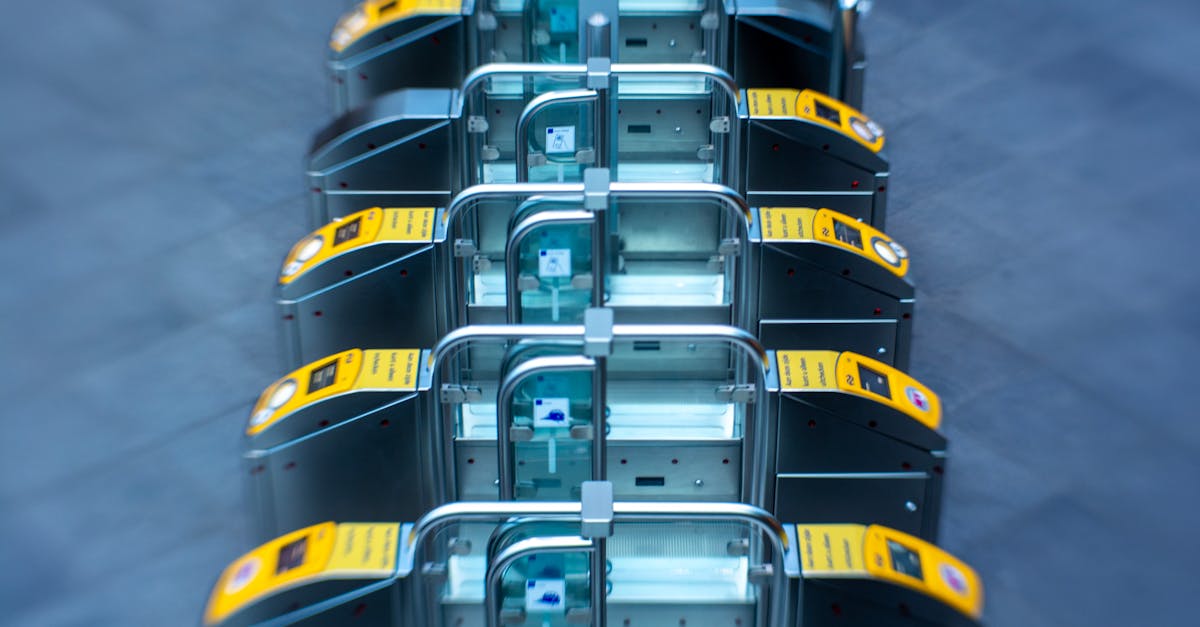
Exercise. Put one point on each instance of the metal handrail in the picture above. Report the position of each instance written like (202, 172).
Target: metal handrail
(493, 70)
(712, 72)
(579, 70)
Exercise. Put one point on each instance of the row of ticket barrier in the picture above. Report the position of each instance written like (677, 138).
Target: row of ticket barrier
(586, 334)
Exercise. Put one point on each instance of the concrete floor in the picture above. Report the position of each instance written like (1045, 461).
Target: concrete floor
(1044, 159)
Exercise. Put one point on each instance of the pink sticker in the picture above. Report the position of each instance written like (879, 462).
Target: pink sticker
(917, 398)
(243, 575)
(954, 578)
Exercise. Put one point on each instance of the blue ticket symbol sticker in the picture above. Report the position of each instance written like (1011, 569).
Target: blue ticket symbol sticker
(917, 398)
(551, 412)
(545, 596)
(554, 263)
(243, 575)
(954, 578)
(560, 139)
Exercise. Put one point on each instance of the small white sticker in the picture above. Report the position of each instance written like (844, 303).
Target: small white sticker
(551, 412)
(954, 578)
(917, 398)
(545, 596)
(260, 417)
(554, 262)
(243, 575)
(560, 139)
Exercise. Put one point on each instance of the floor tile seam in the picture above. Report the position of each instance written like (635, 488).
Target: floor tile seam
(46, 490)
(115, 571)
(1100, 395)
(140, 262)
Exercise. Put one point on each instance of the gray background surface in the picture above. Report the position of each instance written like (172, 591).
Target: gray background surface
(1044, 179)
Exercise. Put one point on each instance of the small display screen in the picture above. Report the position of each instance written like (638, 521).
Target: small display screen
(291, 555)
(347, 231)
(829, 113)
(322, 377)
(905, 560)
(847, 234)
(874, 381)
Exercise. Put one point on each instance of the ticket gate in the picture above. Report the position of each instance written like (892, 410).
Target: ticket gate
(693, 253)
(596, 562)
(549, 123)
(661, 411)
(382, 46)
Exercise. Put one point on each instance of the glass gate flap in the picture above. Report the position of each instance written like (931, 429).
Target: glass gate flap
(549, 400)
(552, 273)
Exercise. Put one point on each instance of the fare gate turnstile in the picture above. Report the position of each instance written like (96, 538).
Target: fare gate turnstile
(661, 411)
(596, 562)
(382, 46)
(797, 278)
(541, 123)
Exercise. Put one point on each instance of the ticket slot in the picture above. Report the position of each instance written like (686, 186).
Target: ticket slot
(324, 445)
(351, 294)
(288, 561)
(372, 15)
(807, 149)
(845, 452)
(321, 387)
(913, 563)
(841, 587)
(861, 375)
(795, 225)
(821, 265)
(818, 108)
(336, 238)
(373, 267)
(295, 574)
(304, 386)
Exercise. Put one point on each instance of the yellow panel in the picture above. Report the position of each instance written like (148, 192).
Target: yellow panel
(348, 365)
(407, 225)
(389, 369)
(369, 221)
(260, 573)
(787, 224)
(772, 103)
(943, 576)
(373, 14)
(904, 393)
(806, 370)
(831, 550)
(365, 549)
(806, 108)
(793, 103)
(823, 228)
(794, 224)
